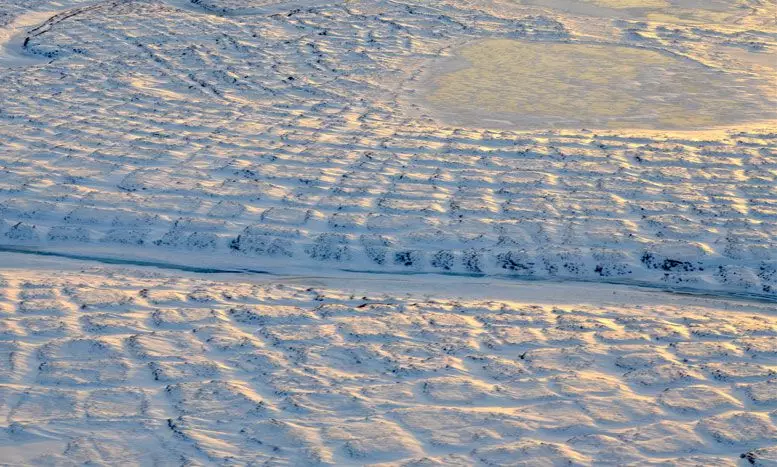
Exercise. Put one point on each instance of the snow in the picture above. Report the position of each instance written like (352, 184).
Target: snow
(12, 38)
(298, 140)
(173, 367)
(388, 232)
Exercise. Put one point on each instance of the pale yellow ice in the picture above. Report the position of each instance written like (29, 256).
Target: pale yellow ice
(630, 3)
(570, 85)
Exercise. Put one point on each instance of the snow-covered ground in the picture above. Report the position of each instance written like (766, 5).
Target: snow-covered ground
(116, 365)
(254, 134)
(388, 231)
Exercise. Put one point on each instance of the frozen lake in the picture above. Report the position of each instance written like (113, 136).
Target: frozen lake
(530, 85)
(673, 11)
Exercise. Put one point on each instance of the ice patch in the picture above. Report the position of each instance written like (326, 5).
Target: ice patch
(531, 85)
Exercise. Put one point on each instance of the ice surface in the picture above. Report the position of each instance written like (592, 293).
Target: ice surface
(531, 85)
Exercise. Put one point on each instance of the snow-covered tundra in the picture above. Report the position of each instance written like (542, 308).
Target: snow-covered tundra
(226, 226)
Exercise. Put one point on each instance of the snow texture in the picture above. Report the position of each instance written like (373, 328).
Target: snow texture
(266, 135)
(147, 367)
(236, 232)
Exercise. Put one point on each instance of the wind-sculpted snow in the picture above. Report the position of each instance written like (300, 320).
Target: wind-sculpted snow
(274, 137)
(106, 366)
(269, 135)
